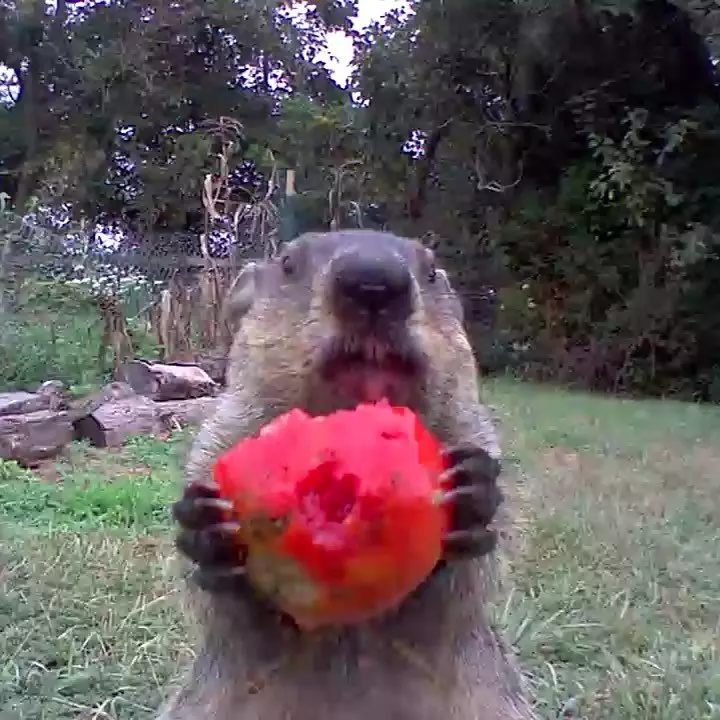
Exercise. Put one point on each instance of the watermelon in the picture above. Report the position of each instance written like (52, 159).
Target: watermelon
(339, 515)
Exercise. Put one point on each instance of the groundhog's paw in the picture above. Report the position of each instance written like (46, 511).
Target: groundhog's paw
(475, 498)
(208, 538)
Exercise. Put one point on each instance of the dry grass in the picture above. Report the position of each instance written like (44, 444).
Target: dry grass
(616, 601)
(614, 605)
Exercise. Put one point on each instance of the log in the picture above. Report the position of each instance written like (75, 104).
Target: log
(117, 420)
(16, 403)
(161, 382)
(49, 396)
(186, 412)
(214, 366)
(116, 391)
(35, 436)
(86, 405)
(53, 388)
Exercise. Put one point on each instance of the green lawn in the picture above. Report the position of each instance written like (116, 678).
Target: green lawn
(613, 605)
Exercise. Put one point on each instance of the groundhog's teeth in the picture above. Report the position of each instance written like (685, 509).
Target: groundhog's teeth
(350, 346)
(374, 351)
(368, 351)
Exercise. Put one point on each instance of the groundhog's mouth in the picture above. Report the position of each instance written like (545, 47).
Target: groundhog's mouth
(369, 370)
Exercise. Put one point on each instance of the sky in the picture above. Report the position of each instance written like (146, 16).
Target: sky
(338, 57)
(340, 52)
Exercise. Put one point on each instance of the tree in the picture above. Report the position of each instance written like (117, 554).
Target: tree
(571, 148)
(114, 98)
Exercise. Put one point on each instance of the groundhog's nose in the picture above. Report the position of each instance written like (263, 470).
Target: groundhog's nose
(372, 284)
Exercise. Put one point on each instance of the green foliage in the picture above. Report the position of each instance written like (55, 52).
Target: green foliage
(115, 102)
(11, 472)
(321, 143)
(570, 161)
(564, 154)
(92, 502)
(84, 497)
(52, 331)
(32, 353)
(611, 262)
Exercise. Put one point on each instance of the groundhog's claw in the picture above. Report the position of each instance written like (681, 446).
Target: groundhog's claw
(209, 538)
(475, 498)
(466, 544)
(201, 506)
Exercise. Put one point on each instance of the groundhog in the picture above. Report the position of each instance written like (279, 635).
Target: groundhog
(333, 320)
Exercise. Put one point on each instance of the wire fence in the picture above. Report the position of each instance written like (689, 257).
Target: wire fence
(72, 306)
(75, 303)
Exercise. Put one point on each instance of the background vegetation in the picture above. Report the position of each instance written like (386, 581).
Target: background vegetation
(562, 156)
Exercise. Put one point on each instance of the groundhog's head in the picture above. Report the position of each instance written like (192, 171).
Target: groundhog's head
(346, 317)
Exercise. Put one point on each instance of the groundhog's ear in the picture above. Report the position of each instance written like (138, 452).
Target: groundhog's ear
(241, 295)
(453, 300)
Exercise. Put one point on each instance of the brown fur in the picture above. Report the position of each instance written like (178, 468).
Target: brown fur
(436, 657)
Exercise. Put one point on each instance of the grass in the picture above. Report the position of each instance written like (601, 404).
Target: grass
(614, 604)
(616, 601)
(88, 627)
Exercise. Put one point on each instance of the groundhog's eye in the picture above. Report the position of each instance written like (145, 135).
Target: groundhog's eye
(287, 264)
